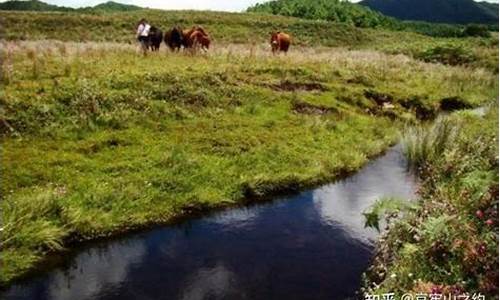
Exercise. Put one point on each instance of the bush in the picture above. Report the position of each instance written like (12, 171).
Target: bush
(432, 29)
(476, 30)
(448, 54)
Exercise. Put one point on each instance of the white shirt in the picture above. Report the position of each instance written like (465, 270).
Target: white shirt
(143, 30)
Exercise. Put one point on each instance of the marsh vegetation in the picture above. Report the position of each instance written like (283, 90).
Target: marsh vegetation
(447, 242)
(98, 140)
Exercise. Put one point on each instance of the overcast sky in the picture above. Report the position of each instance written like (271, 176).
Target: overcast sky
(226, 5)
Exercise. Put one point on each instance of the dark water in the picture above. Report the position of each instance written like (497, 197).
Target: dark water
(308, 246)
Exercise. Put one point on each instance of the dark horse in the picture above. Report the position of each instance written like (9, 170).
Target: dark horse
(154, 38)
(174, 38)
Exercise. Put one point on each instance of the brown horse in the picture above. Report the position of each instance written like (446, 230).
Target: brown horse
(200, 39)
(280, 42)
(186, 34)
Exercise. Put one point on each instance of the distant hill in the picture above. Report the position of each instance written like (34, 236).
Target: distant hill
(439, 11)
(492, 8)
(114, 6)
(35, 5)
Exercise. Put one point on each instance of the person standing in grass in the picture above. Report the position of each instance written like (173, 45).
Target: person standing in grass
(142, 34)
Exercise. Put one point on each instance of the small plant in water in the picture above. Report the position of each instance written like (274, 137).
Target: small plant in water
(388, 208)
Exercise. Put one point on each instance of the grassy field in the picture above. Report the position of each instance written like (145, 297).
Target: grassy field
(98, 140)
(448, 243)
(249, 28)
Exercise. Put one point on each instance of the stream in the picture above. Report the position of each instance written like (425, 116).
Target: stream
(312, 245)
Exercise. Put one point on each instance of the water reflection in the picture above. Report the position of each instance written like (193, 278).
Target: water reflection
(342, 202)
(310, 246)
(87, 274)
(215, 282)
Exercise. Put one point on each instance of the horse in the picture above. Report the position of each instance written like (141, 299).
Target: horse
(201, 39)
(187, 41)
(280, 42)
(155, 37)
(174, 38)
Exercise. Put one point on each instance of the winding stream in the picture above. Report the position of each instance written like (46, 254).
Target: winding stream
(309, 246)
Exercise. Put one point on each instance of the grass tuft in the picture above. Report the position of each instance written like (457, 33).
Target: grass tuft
(427, 143)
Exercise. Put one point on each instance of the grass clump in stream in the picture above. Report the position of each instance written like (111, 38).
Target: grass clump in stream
(423, 144)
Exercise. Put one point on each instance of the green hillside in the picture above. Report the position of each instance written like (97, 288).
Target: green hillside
(111, 6)
(361, 16)
(223, 27)
(329, 10)
(442, 11)
(336, 11)
(492, 8)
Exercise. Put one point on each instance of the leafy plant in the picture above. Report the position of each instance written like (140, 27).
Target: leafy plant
(386, 208)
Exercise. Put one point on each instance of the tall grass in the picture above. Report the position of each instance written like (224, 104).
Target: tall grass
(29, 222)
(426, 143)
(6, 67)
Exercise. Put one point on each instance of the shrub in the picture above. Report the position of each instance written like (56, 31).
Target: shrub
(449, 54)
(476, 30)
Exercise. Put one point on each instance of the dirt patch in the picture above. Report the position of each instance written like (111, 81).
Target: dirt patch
(312, 109)
(379, 98)
(454, 103)
(290, 86)
(422, 111)
(387, 103)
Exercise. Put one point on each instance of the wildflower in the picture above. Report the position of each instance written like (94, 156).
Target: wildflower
(436, 290)
(490, 222)
(482, 249)
(480, 214)
(393, 275)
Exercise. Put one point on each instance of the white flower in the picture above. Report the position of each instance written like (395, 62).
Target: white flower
(393, 275)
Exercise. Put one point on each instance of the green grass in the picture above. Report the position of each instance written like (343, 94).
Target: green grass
(98, 140)
(449, 243)
(243, 28)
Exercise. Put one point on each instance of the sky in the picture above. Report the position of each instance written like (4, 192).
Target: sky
(222, 5)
